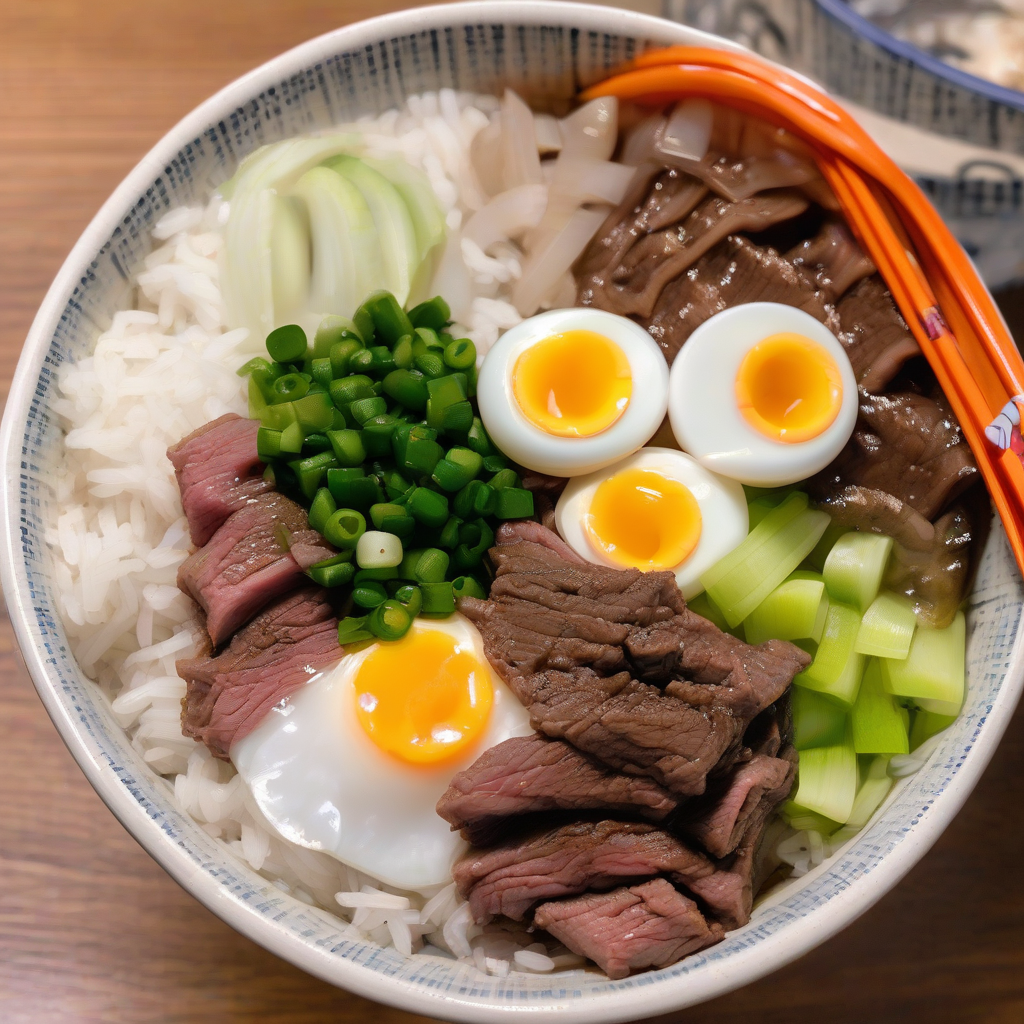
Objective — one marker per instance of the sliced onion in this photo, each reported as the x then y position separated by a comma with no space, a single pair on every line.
591,131
521,161
289,257
452,279
548,262
688,131
590,181
642,143
549,134
507,215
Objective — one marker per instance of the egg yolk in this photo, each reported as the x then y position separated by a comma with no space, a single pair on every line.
423,698
789,388
643,519
573,384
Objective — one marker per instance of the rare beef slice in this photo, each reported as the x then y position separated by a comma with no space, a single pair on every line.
229,694
534,774
258,554
630,929
613,662
218,471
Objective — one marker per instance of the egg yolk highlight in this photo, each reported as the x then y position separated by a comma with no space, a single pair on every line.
573,384
789,388
423,698
643,519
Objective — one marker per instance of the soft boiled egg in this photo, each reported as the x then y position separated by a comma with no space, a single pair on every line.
572,390
763,393
656,509
354,763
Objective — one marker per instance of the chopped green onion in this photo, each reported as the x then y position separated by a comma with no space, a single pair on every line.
504,478
457,419
430,364
321,509
876,720
818,721
345,528
827,780
363,409
514,503
377,433
415,450
268,443
408,388
332,330
475,499
425,565
739,582
364,324
290,387
449,536
386,574
352,488
478,440
854,568
390,321
254,364
428,507
467,586
314,412
341,353
467,556
347,390
393,518
369,594
403,353
287,344
333,572
438,599
494,463
322,372
887,627
310,471
933,672
794,610
837,668
460,354
424,340
352,630
412,597
390,620
434,313
348,447
378,550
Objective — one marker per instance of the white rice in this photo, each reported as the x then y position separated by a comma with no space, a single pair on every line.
162,370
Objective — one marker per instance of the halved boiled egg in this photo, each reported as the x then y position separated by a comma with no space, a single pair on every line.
763,393
657,509
354,763
572,390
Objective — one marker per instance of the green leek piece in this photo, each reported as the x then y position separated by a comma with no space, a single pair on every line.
854,568
874,788
408,388
827,780
739,582
876,719
927,724
820,552
759,508
703,605
933,672
390,322
514,503
887,627
434,313
348,447
801,819
352,630
332,330
352,488
837,668
287,344
438,599
390,620
321,509
794,610
344,528
428,222
818,721
341,354
333,572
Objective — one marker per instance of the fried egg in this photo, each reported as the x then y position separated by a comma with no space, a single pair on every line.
656,509
763,393
353,764
572,390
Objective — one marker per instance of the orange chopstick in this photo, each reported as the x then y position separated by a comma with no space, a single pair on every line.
979,368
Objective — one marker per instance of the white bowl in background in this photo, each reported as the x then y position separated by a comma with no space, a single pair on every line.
540,48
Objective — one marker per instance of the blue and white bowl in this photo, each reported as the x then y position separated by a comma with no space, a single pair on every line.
549,49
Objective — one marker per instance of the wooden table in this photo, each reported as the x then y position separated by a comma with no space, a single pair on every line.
90,928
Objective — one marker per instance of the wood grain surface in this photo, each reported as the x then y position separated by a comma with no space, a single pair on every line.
91,929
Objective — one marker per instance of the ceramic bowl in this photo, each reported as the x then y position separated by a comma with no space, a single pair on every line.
542,49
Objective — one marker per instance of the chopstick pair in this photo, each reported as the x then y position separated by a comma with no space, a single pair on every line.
978,373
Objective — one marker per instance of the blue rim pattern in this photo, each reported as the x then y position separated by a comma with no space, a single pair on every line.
534,40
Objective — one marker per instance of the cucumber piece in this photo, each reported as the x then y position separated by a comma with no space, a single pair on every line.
854,567
816,559
887,627
739,582
877,720
932,674
794,610
346,253
818,721
396,236
837,668
827,780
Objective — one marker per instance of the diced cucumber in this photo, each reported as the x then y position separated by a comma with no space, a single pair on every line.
795,609
854,568
837,668
932,674
818,721
876,720
816,559
827,780
887,627
739,582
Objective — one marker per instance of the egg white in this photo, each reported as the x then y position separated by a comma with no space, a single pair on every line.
321,782
703,410
538,450
722,504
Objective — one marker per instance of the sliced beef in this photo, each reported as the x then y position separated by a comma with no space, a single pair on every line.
907,445
834,258
875,336
258,554
719,819
578,642
532,774
634,284
228,695
734,272
218,471
648,925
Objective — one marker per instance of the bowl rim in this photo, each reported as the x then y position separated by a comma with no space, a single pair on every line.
660,995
